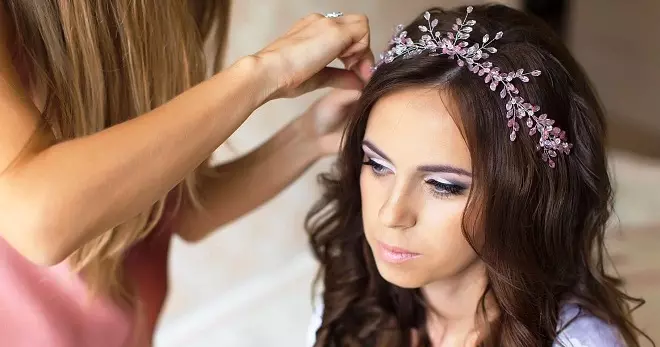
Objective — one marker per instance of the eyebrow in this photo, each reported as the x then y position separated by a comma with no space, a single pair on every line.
375,149
444,169
425,168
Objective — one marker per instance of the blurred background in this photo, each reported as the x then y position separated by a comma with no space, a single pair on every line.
250,285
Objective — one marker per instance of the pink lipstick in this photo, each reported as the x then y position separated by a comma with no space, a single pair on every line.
395,255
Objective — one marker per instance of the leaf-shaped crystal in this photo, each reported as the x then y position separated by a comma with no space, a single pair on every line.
434,23
536,73
423,28
503,93
498,35
427,15
491,49
485,39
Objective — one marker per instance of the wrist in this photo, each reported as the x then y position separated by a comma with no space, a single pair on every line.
260,77
304,131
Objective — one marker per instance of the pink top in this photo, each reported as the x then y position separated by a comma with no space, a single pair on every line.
49,306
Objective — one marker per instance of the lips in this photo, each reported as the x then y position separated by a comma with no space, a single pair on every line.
395,255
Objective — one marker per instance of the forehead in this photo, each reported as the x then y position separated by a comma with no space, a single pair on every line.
415,125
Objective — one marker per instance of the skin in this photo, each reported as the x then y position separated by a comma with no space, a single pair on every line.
59,196
315,134
414,188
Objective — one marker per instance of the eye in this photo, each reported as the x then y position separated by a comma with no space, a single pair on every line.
442,189
377,168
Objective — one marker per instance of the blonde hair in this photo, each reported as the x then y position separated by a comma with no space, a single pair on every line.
102,62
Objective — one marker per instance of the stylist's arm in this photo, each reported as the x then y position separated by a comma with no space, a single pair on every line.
57,197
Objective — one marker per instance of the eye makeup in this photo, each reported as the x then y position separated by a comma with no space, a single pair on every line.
435,180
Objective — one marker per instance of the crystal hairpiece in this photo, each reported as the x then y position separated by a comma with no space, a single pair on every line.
552,140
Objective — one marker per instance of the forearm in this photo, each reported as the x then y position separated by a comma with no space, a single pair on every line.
71,192
238,187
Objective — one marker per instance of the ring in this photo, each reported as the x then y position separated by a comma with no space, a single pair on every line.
333,15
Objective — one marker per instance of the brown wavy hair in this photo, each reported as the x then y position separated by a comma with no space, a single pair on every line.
542,229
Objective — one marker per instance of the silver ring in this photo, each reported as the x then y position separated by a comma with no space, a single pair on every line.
333,15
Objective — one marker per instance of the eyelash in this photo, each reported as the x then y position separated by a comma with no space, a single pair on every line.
443,190
376,168
438,189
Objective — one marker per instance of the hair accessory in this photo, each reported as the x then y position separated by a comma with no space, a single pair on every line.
333,15
552,140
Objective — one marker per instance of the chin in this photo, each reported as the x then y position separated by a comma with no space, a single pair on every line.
401,277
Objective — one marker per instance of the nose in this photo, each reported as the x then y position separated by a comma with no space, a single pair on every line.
397,211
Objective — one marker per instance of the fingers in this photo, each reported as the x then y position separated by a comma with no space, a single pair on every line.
357,28
331,77
338,78
361,65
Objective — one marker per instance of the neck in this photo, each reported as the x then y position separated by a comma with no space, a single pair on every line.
455,302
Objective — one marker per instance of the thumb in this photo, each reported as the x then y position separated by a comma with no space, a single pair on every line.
335,78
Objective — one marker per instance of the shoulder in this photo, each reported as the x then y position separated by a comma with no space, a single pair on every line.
579,328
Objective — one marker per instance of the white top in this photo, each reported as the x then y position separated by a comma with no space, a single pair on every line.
585,331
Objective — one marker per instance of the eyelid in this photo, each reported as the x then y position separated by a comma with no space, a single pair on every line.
439,179
381,162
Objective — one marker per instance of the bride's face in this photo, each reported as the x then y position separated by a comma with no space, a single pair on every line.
414,189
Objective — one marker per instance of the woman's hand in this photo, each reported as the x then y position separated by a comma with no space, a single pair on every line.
296,63
325,120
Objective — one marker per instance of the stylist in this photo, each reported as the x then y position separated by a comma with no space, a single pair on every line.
106,124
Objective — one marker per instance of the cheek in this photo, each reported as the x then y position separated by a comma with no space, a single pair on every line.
373,191
441,222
